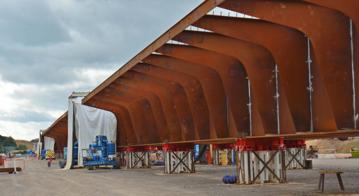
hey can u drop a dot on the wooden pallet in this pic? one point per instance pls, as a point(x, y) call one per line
point(10, 170)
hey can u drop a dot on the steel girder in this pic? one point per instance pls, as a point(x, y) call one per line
point(175, 95)
point(234, 81)
point(145, 123)
point(122, 115)
point(211, 84)
point(289, 50)
point(166, 103)
point(350, 9)
point(140, 113)
point(155, 104)
point(60, 135)
point(259, 66)
point(331, 70)
point(193, 91)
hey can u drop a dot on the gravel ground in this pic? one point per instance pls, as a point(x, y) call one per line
point(39, 180)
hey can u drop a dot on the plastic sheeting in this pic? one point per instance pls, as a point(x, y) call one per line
point(90, 122)
point(49, 143)
point(86, 123)
point(70, 130)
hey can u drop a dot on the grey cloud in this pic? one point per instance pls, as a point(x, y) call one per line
point(44, 43)
point(27, 116)
point(58, 38)
point(30, 24)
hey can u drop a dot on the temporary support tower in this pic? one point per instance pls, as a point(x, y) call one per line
point(179, 158)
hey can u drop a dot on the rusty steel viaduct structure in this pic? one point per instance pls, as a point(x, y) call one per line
point(284, 69)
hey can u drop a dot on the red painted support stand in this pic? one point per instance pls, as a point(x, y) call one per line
point(178, 158)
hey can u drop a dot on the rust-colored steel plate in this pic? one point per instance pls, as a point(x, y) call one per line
point(175, 101)
point(329, 33)
point(180, 101)
point(141, 115)
point(289, 49)
point(125, 128)
point(259, 66)
point(234, 80)
point(349, 8)
point(194, 93)
point(167, 104)
point(137, 110)
point(155, 104)
point(212, 87)
point(59, 133)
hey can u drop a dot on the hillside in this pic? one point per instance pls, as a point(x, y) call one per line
point(28, 144)
point(334, 145)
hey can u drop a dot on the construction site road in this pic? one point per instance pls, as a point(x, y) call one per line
point(37, 179)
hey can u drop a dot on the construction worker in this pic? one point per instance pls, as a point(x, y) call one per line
point(50, 155)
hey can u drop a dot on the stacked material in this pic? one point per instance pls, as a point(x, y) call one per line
point(14, 162)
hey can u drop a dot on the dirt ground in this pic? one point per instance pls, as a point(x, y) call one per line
point(334, 145)
point(39, 180)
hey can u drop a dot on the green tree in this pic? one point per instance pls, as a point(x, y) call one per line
point(22, 147)
point(7, 141)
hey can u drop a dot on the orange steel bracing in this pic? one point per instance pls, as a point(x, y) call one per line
point(221, 84)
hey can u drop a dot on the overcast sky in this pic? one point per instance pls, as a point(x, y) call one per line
point(49, 48)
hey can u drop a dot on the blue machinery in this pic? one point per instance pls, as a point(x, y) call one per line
point(100, 153)
point(75, 148)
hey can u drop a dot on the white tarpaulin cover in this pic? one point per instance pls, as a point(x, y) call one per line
point(70, 130)
point(87, 122)
point(49, 143)
point(90, 122)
